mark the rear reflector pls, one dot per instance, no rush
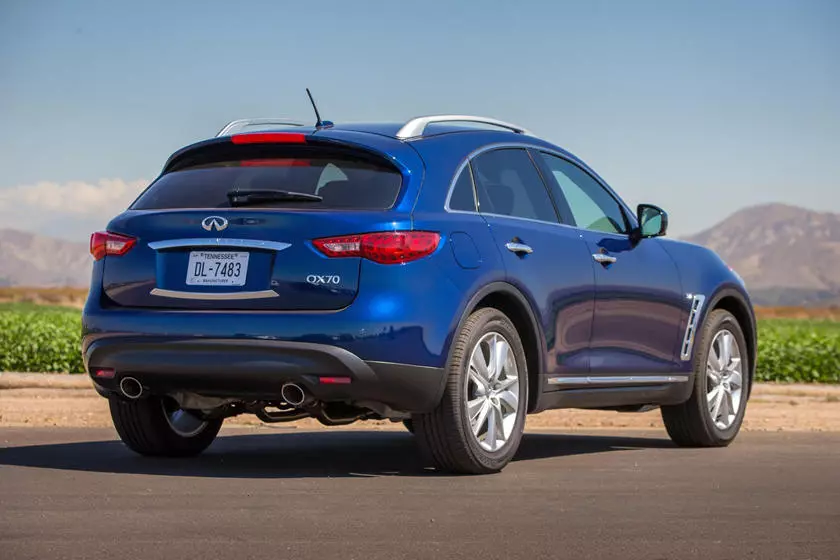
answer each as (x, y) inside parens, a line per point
(334, 380)
(385, 247)
(104, 243)
(104, 373)
(269, 138)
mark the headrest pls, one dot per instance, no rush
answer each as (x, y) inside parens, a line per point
(501, 198)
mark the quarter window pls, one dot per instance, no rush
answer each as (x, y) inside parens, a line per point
(463, 195)
(592, 206)
(507, 183)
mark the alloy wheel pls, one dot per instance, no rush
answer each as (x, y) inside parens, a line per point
(492, 391)
(724, 379)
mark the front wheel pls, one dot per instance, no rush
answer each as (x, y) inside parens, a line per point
(478, 425)
(712, 416)
(156, 426)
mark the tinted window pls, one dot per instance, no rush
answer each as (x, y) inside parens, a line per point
(592, 206)
(463, 195)
(343, 182)
(508, 184)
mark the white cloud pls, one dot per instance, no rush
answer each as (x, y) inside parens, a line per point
(66, 209)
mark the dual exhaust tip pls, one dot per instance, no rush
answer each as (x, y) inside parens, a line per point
(292, 393)
(296, 395)
(131, 388)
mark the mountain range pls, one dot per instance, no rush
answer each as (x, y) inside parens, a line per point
(29, 259)
(786, 255)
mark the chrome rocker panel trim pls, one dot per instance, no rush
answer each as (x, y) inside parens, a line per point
(618, 380)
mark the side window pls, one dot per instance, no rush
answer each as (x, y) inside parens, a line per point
(463, 195)
(507, 183)
(592, 206)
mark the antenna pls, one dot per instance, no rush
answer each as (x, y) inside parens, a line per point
(320, 123)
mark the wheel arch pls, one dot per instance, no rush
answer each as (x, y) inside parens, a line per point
(513, 303)
(733, 301)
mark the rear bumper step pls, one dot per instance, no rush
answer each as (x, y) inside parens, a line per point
(257, 369)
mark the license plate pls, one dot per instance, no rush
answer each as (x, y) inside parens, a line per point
(217, 268)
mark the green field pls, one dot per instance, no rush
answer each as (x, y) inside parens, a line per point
(46, 339)
(39, 338)
(795, 350)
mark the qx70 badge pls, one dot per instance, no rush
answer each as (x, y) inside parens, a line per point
(320, 280)
(214, 222)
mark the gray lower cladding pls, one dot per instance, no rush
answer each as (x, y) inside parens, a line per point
(257, 369)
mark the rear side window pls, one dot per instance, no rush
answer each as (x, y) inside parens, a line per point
(463, 194)
(508, 184)
(341, 182)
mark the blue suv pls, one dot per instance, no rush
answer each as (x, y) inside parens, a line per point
(453, 272)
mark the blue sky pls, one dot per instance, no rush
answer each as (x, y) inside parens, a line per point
(701, 107)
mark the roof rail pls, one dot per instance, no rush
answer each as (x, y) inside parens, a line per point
(415, 127)
(239, 124)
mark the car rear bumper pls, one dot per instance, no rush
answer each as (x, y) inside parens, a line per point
(256, 369)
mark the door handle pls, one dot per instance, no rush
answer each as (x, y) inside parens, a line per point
(518, 248)
(603, 259)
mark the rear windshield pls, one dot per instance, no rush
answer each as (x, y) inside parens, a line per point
(341, 182)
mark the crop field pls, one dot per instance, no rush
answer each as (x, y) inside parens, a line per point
(796, 350)
(39, 338)
(45, 338)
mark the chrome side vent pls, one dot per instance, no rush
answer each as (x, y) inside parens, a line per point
(697, 301)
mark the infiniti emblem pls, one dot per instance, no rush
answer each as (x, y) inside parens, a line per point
(214, 222)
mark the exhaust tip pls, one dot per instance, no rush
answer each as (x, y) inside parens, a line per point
(131, 388)
(293, 394)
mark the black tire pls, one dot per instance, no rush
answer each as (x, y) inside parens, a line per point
(143, 426)
(690, 424)
(409, 425)
(445, 435)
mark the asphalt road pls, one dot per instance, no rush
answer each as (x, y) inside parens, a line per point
(285, 494)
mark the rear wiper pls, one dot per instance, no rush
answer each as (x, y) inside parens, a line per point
(246, 197)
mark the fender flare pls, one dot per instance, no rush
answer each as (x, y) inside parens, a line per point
(510, 290)
(750, 330)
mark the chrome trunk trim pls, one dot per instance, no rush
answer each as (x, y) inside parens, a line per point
(214, 296)
(219, 242)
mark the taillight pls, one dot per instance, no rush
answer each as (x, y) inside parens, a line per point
(385, 247)
(104, 243)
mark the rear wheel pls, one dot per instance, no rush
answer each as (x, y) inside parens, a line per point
(157, 426)
(712, 416)
(478, 425)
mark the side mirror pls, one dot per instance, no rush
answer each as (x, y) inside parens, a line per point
(653, 221)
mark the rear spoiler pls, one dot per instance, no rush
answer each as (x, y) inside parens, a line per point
(254, 145)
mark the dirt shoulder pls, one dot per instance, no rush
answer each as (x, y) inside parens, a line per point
(63, 400)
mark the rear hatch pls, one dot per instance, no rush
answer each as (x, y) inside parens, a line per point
(231, 227)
